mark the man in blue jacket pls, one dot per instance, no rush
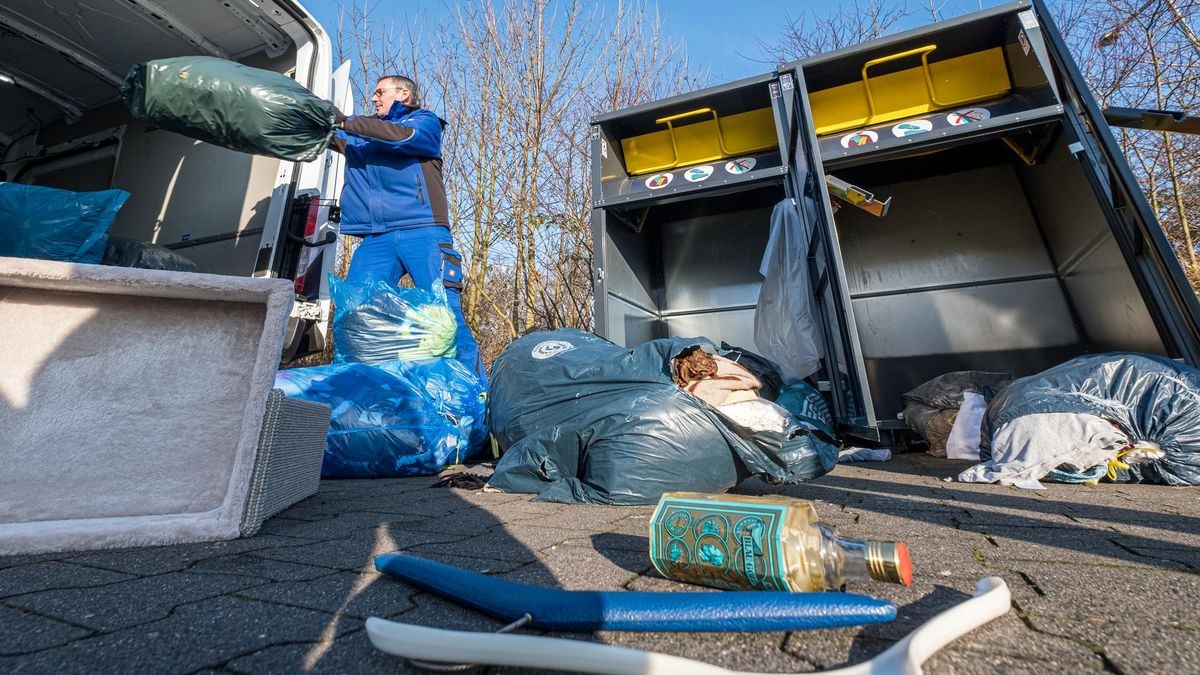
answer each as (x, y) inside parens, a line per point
(394, 198)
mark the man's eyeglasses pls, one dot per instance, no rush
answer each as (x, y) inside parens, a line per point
(379, 92)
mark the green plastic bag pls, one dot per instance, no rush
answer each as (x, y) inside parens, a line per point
(230, 105)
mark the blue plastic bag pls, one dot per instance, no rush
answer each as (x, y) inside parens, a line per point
(393, 419)
(377, 322)
(50, 224)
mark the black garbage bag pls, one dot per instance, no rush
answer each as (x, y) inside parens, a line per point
(929, 409)
(231, 105)
(124, 252)
(1153, 400)
(581, 420)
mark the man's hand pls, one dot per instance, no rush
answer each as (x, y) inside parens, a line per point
(338, 116)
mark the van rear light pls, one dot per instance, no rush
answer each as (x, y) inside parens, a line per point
(310, 228)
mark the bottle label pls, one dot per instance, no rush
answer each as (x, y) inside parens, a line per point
(720, 544)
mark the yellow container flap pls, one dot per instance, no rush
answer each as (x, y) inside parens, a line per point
(706, 141)
(958, 81)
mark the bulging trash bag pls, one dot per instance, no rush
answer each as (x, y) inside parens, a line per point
(231, 105)
(51, 224)
(932, 408)
(394, 419)
(581, 420)
(377, 321)
(123, 252)
(1119, 417)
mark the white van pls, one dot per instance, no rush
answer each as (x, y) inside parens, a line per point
(62, 125)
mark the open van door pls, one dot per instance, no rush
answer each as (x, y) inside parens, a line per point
(310, 242)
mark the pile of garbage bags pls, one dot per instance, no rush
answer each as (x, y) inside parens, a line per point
(1119, 417)
(124, 252)
(225, 103)
(51, 224)
(581, 420)
(948, 411)
(401, 406)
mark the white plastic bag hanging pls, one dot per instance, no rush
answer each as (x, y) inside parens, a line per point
(785, 330)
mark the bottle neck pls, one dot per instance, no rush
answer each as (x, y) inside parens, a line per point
(842, 560)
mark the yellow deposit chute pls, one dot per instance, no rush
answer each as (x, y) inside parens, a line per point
(914, 91)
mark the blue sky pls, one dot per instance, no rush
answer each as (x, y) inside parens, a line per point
(721, 35)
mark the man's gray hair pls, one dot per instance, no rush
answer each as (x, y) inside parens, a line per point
(414, 100)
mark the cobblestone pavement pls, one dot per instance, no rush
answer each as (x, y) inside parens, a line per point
(1104, 578)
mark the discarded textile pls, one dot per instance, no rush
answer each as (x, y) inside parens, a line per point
(932, 408)
(377, 322)
(580, 419)
(231, 105)
(715, 380)
(123, 252)
(1118, 417)
(50, 224)
(394, 419)
(864, 455)
(785, 328)
(766, 372)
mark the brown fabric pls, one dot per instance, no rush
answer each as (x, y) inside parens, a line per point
(938, 431)
(692, 364)
(715, 380)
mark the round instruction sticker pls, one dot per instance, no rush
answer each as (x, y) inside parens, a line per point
(545, 350)
(967, 116)
(740, 165)
(697, 173)
(859, 139)
(912, 128)
(659, 180)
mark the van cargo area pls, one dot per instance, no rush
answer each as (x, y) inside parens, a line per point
(63, 125)
(204, 202)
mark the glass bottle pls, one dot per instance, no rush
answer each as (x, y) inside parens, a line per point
(763, 543)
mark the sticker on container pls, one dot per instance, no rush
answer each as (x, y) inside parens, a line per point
(545, 350)
(741, 165)
(967, 116)
(912, 128)
(859, 138)
(697, 173)
(1024, 40)
(1028, 19)
(659, 180)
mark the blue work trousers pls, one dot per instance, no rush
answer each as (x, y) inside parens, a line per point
(426, 254)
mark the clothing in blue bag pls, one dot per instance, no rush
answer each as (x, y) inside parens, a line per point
(399, 418)
(50, 224)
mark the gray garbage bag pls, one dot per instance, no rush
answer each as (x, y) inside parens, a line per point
(124, 252)
(1153, 400)
(581, 420)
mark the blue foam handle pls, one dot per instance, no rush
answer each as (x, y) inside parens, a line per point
(556, 609)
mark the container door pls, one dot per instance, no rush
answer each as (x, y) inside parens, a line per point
(844, 373)
(1151, 260)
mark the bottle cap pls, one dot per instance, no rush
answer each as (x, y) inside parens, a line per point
(889, 561)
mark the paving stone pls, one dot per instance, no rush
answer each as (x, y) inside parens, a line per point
(50, 575)
(342, 593)
(1066, 544)
(160, 559)
(755, 652)
(349, 653)
(1098, 593)
(130, 603)
(249, 565)
(358, 550)
(606, 541)
(577, 568)
(196, 636)
(7, 561)
(432, 611)
(22, 632)
(336, 527)
(493, 545)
